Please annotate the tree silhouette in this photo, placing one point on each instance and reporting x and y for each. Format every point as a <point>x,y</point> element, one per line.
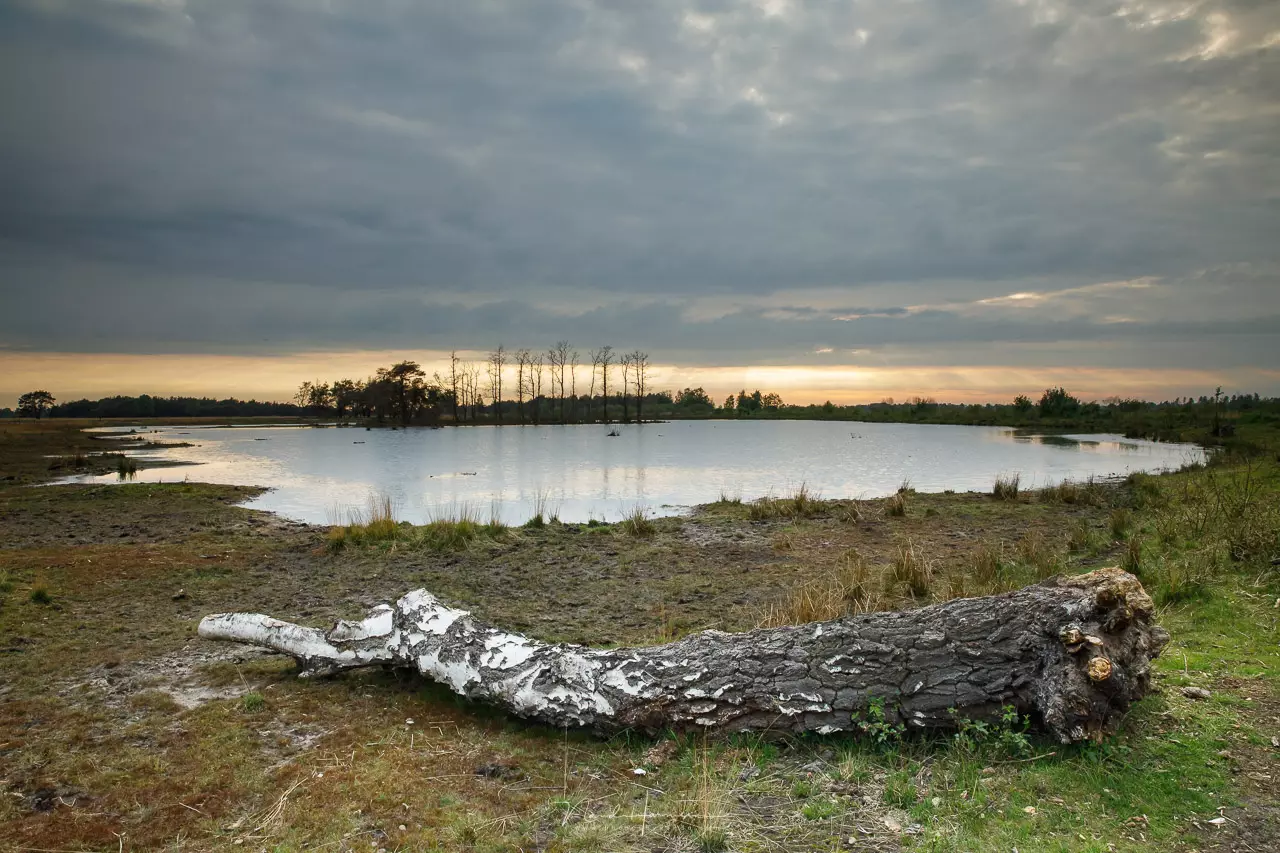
<point>34,404</point>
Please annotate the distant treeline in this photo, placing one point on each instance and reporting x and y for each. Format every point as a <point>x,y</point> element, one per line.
<point>146,406</point>
<point>1215,415</point>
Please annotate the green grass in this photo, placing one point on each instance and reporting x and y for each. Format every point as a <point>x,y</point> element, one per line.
<point>377,526</point>
<point>802,503</point>
<point>637,523</point>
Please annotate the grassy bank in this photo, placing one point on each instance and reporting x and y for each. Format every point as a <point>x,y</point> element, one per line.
<point>119,729</point>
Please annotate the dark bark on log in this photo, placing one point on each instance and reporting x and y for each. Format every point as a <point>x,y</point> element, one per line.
<point>1072,653</point>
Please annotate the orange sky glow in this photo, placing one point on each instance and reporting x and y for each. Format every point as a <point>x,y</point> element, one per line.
<point>71,376</point>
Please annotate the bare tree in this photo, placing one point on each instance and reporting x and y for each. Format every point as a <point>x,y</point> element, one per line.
<point>497,362</point>
<point>454,376</point>
<point>640,379</point>
<point>523,360</point>
<point>606,359</point>
<point>535,386</point>
<point>595,356</point>
<point>626,376</point>
<point>553,355</point>
<point>573,382</point>
<point>472,382</point>
<point>559,362</point>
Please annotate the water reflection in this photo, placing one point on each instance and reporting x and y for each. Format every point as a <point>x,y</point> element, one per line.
<point>579,472</point>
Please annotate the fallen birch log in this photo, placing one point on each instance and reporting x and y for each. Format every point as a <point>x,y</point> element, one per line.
<point>1072,653</point>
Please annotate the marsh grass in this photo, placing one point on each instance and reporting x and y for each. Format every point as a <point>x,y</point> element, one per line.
<point>910,571</point>
<point>126,468</point>
<point>986,565</point>
<point>847,588</point>
<point>1082,539</point>
<point>895,506</point>
<point>1131,557</point>
<point>1089,493</point>
<point>40,595</point>
<point>637,522</point>
<point>1121,521</point>
<point>802,503</point>
<point>1036,552</point>
<point>1006,487</point>
<point>1176,581</point>
<point>544,511</point>
<point>376,523</point>
<point>454,530</point>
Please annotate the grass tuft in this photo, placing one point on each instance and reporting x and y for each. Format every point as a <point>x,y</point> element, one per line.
<point>376,523</point>
<point>895,505</point>
<point>252,702</point>
<point>911,571</point>
<point>845,589</point>
<point>126,468</point>
<point>1006,487</point>
<point>40,595</point>
<point>1121,521</point>
<point>638,523</point>
<point>802,503</point>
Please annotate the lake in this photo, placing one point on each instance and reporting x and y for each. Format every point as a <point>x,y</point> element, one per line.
<point>318,475</point>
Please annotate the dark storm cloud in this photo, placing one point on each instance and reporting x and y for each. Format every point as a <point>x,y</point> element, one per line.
<point>217,175</point>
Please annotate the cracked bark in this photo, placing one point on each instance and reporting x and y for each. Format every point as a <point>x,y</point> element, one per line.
<point>1072,653</point>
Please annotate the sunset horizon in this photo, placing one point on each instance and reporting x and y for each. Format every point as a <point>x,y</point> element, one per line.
<point>74,376</point>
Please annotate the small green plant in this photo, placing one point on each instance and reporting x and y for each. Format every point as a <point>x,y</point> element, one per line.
<point>802,789</point>
<point>1006,487</point>
<point>900,789</point>
<point>877,726</point>
<point>1006,735</point>
<point>712,840</point>
<point>819,809</point>
<point>896,505</point>
<point>252,702</point>
<point>40,595</point>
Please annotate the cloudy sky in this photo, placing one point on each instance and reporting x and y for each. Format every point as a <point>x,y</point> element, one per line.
<point>832,198</point>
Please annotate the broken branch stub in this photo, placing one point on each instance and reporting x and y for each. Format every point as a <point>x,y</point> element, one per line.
<point>1072,653</point>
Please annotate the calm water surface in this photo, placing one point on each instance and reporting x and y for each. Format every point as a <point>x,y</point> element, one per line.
<point>319,475</point>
